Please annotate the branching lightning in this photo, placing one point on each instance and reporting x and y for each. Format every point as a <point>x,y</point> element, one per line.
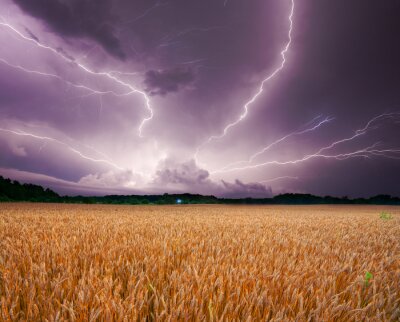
<point>366,152</point>
<point>79,86</point>
<point>266,148</point>
<point>88,70</point>
<point>271,76</point>
<point>69,147</point>
<point>361,153</point>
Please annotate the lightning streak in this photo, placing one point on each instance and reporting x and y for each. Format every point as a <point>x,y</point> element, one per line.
<point>279,178</point>
<point>263,150</point>
<point>194,61</point>
<point>362,153</point>
<point>262,85</point>
<point>88,70</point>
<point>146,12</point>
<point>169,39</point>
<point>376,118</point>
<point>80,86</point>
<point>361,131</point>
<point>72,149</point>
<point>367,152</point>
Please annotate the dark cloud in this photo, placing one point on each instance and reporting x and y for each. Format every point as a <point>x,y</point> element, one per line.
<point>188,173</point>
<point>78,18</point>
<point>162,82</point>
<point>238,189</point>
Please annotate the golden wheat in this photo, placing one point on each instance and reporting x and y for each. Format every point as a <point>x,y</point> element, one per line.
<point>221,263</point>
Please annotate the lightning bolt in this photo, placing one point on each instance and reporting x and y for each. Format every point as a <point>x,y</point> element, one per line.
<point>88,70</point>
<point>194,61</point>
<point>124,73</point>
<point>361,131</point>
<point>279,178</point>
<point>271,76</point>
<point>265,149</point>
<point>146,12</point>
<point>72,149</point>
<point>365,152</point>
<point>45,74</point>
<point>168,39</point>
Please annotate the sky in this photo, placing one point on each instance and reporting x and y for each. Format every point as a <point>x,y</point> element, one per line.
<point>226,97</point>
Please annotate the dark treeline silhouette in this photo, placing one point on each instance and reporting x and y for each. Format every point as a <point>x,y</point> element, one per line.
<point>14,191</point>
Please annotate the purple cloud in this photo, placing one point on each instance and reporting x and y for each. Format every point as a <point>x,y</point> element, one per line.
<point>162,82</point>
<point>90,19</point>
<point>239,189</point>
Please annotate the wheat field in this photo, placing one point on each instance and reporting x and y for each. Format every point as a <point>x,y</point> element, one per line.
<point>193,263</point>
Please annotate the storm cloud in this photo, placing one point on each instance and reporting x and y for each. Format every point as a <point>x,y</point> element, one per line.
<point>171,171</point>
<point>78,18</point>
<point>239,189</point>
<point>162,82</point>
<point>188,175</point>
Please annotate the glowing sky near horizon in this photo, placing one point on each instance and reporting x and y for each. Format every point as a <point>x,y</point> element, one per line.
<point>236,99</point>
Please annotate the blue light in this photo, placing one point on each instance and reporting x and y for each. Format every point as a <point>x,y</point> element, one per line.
<point>178,201</point>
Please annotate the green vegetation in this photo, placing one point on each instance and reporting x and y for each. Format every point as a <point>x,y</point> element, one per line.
<point>14,191</point>
<point>385,216</point>
<point>367,278</point>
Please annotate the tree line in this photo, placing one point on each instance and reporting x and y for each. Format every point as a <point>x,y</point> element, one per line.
<point>13,191</point>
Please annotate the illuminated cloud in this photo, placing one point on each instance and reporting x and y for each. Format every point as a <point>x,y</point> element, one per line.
<point>162,82</point>
<point>187,173</point>
<point>110,179</point>
<point>188,176</point>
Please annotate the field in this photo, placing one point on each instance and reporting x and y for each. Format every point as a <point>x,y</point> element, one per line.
<point>126,263</point>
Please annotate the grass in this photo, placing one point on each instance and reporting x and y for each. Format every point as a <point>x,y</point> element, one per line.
<point>220,263</point>
<point>385,216</point>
